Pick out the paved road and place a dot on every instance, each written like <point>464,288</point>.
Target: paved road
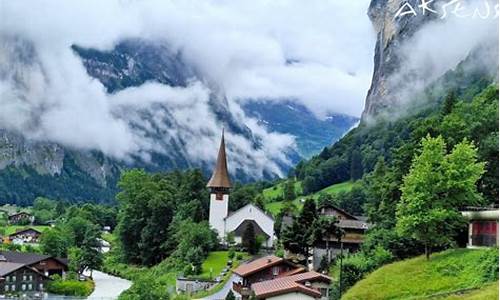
<point>108,286</point>
<point>222,293</point>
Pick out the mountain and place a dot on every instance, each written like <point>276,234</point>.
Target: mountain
<point>32,167</point>
<point>312,134</point>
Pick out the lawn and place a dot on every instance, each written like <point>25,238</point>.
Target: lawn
<point>270,194</point>
<point>274,207</point>
<point>488,292</point>
<point>215,262</point>
<point>447,272</point>
<point>12,228</point>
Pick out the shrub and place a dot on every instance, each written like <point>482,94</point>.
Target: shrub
<point>70,287</point>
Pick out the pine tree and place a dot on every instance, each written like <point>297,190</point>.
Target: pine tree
<point>249,239</point>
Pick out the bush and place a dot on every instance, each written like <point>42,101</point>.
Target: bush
<point>70,287</point>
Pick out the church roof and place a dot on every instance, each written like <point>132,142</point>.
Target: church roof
<point>220,176</point>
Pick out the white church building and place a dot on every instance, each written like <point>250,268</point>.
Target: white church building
<point>225,222</point>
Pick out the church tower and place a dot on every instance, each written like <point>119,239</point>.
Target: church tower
<point>219,185</point>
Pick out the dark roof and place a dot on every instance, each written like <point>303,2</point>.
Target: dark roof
<point>23,257</point>
<point>340,210</point>
<point>24,230</point>
<point>259,264</point>
<point>284,285</point>
<point>9,267</point>
<point>220,176</point>
<point>353,224</point>
<point>20,213</point>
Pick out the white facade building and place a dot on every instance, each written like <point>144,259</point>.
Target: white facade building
<point>235,222</point>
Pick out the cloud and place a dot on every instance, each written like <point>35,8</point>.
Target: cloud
<point>441,44</point>
<point>318,53</point>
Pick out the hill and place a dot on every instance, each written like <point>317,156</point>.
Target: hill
<point>459,271</point>
<point>276,192</point>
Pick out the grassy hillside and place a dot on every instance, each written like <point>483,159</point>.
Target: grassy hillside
<point>447,273</point>
<point>488,292</point>
<point>272,193</point>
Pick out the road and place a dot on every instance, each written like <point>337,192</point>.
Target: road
<point>108,286</point>
<point>220,295</point>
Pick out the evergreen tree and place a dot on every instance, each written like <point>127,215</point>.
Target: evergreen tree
<point>230,295</point>
<point>449,102</point>
<point>356,165</point>
<point>249,239</point>
<point>289,190</point>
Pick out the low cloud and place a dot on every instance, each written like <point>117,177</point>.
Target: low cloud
<point>318,53</point>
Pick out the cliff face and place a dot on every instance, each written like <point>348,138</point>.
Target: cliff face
<point>391,34</point>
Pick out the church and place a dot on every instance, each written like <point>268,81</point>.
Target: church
<point>225,222</point>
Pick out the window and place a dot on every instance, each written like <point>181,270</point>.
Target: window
<point>23,287</point>
<point>324,292</point>
<point>24,277</point>
<point>31,277</point>
<point>30,287</point>
<point>6,288</point>
<point>13,278</point>
<point>13,287</point>
<point>41,286</point>
<point>276,271</point>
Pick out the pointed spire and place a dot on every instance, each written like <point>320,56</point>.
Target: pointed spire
<point>220,176</point>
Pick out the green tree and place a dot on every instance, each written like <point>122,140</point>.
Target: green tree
<point>437,185</point>
<point>289,190</point>
<point>249,239</point>
<point>356,165</point>
<point>230,296</point>
<point>55,242</point>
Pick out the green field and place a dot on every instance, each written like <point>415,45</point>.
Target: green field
<point>447,273</point>
<point>271,193</point>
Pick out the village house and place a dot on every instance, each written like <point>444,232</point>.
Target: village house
<point>482,226</point>
<point>27,273</point>
<point>354,228</point>
<point>262,269</point>
<point>235,223</point>
<point>21,218</point>
<point>25,236</point>
<point>308,285</point>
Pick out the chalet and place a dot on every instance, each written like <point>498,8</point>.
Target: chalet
<point>21,218</point>
<point>262,269</point>
<point>27,273</point>
<point>354,228</point>
<point>308,285</point>
<point>482,226</point>
<point>46,264</point>
<point>25,236</point>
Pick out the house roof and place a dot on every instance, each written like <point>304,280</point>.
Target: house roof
<point>19,213</point>
<point>24,230</point>
<point>9,267</point>
<point>288,284</point>
<point>258,265</point>
<point>353,224</point>
<point>26,258</point>
<point>353,217</point>
<point>220,176</point>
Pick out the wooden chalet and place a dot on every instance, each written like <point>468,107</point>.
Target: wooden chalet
<point>26,235</point>
<point>21,217</point>
<point>262,269</point>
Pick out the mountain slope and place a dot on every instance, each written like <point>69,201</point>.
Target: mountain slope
<point>312,134</point>
<point>449,272</point>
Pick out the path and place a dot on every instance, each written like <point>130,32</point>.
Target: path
<point>222,293</point>
<point>108,286</point>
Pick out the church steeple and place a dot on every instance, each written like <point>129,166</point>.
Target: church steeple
<point>220,176</point>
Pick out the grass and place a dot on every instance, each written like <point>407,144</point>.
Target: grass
<point>224,280</point>
<point>488,292</point>
<point>213,265</point>
<point>445,272</point>
<point>271,193</point>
